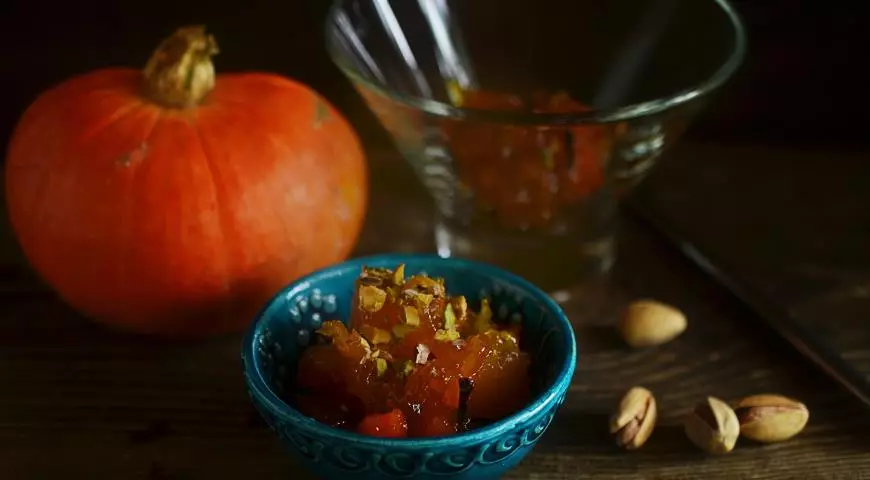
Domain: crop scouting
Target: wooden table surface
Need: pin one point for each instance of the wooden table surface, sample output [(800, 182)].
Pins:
[(78, 401)]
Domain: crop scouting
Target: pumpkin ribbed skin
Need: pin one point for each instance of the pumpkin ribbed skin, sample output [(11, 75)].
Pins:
[(182, 221)]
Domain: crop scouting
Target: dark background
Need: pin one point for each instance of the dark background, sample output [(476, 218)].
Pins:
[(803, 83)]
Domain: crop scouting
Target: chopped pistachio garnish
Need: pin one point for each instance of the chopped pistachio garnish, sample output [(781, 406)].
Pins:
[(412, 317), (382, 354), (399, 331), (407, 368), (365, 344), (372, 281), (393, 291), (446, 335), (503, 335), (378, 272), (379, 336), (375, 276), (371, 299), (375, 335), (332, 329), (399, 275), (460, 307), (449, 318), (381, 365), (422, 354), (422, 300), (483, 322), (426, 285), (367, 348)]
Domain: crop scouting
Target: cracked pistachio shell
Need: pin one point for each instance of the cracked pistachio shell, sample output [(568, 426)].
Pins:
[(634, 419), (712, 426)]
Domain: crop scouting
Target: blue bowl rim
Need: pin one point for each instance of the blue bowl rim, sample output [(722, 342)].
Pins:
[(496, 429)]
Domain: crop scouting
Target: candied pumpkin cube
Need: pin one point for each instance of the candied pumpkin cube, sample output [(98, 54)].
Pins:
[(321, 369), (386, 425), (416, 353), (501, 387)]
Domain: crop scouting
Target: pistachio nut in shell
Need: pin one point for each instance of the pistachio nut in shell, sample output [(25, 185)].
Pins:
[(770, 418), (712, 426), (634, 419), (646, 323)]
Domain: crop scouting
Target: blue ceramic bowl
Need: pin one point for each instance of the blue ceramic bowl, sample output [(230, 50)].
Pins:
[(284, 327)]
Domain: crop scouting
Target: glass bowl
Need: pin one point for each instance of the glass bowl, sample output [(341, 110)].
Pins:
[(527, 121)]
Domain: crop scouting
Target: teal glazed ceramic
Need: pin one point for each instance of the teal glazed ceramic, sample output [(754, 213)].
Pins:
[(284, 328)]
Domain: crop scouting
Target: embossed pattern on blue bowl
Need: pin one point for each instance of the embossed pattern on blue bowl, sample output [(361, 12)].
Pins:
[(284, 328)]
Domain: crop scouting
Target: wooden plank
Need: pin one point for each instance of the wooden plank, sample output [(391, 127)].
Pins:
[(80, 401)]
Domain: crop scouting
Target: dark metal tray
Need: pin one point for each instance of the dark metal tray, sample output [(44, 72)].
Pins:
[(786, 232)]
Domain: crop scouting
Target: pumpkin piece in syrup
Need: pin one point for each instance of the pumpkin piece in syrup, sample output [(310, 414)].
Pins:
[(415, 350), (386, 425)]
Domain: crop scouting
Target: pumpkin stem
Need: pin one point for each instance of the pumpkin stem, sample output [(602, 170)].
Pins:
[(180, 73)]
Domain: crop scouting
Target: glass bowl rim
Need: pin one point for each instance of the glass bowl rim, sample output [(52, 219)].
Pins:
[(285, 412), (595, 116)]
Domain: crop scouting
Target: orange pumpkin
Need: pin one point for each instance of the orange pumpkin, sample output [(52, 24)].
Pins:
[(177, 202)]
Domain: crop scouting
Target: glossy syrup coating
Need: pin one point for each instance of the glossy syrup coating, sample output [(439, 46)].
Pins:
[(415, 362)]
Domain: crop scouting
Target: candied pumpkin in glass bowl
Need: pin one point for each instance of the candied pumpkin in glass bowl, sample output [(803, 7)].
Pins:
[(398, 366)]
